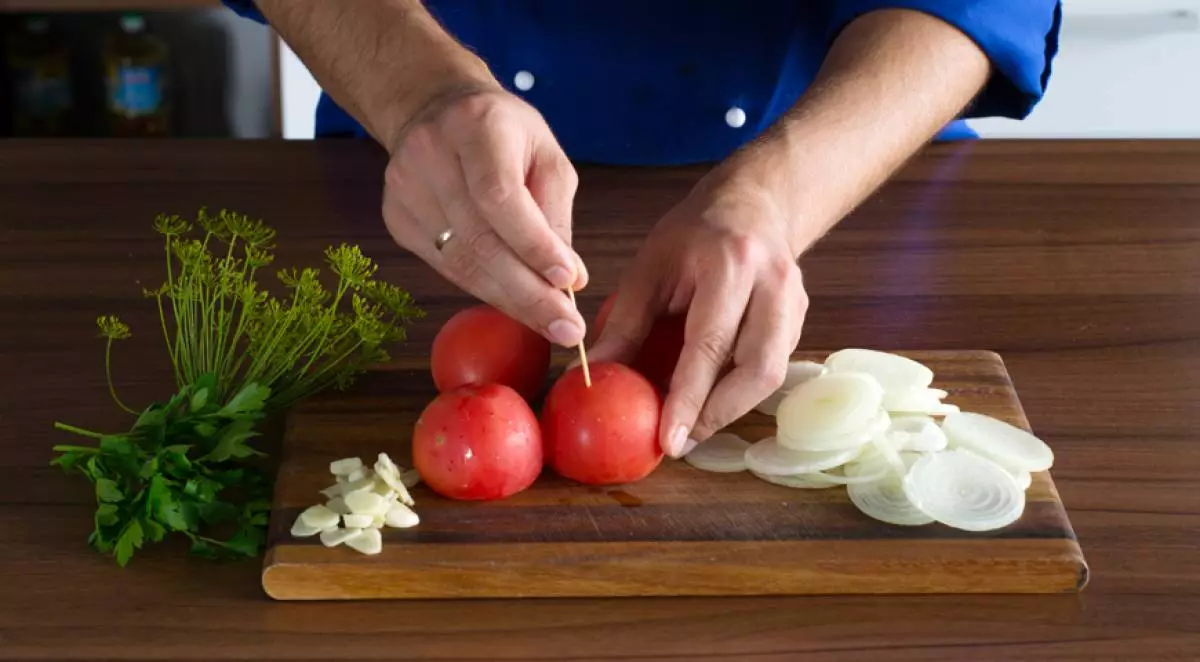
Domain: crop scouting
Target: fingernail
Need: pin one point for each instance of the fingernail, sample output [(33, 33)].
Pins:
[(676, 442), (565, 333), (559, 277), (688, 446)]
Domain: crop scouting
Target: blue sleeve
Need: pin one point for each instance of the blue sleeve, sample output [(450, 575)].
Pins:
[(1020, 37), (245, 8)]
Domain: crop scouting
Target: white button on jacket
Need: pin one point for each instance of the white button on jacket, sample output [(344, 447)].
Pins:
[(523, 81), (735, 117)]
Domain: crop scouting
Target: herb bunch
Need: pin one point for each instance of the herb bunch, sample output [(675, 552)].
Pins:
[(238, 353)]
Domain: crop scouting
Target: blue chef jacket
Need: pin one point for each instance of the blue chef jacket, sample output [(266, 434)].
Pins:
[(653, 82)]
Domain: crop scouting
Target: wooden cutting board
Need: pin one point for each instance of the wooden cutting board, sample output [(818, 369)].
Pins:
[(678, 532)]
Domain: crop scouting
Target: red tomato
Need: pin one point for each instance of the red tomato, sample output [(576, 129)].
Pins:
[(477, 443), (660, 350), (605, 434), (481, 345)]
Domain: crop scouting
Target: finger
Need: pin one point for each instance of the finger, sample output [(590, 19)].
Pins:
[(769, 334), (633, 313), (553, 182), (478, 260), (712, 326), (493, 163)]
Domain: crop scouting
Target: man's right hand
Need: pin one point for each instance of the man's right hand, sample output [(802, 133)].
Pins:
[(467, 156), (484, 165)]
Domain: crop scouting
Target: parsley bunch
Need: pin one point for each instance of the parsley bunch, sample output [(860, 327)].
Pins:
[(239, 353)]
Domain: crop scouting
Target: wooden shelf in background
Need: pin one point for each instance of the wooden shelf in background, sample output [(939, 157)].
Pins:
[(102, 5)]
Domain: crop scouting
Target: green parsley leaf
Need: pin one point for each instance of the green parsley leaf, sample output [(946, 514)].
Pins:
[(232, 442), (131, 539), (248, 400), (107, 490)]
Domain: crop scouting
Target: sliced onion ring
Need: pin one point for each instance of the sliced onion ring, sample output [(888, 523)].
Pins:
[(831, 405), (875, 426), (721, 453), (771, 458), (994, 439), (885, 501), (798, 372), (965, 491), (804, 482), (894, 372)]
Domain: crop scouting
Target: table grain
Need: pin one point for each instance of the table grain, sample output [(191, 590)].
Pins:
[(1078, 261)]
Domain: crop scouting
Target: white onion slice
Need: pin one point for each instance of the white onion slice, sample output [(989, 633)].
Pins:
[(915, 401), (804, 481), (721, 453), (894, 372), (994, 439), (345, 466), (965, 491), (854, 472), (885, 501), (1024, 478), (368, 541), (831, 405), (769, 457), (873, 427), (798, 372), (916, 433)]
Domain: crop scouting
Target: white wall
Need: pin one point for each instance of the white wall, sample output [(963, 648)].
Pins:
[(1125, 69)]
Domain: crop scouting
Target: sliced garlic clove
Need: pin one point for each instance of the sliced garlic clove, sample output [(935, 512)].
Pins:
[(357, 521), (338, 505), (335, 537), (319, 517), (302, 529), (365, 502), (345, 466), (400, 516), (368, 541)]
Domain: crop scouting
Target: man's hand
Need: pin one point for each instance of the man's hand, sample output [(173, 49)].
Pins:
[(724, 256), (466, 156), (485, 166)]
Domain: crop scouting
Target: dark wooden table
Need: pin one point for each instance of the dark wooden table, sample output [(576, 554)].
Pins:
[(1078, 262)]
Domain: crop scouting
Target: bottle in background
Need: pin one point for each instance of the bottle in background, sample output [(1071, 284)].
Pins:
[(40, 71), (136, 62)]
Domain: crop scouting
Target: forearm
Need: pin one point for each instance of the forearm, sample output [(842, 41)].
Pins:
[(382, 61), (892, 79)]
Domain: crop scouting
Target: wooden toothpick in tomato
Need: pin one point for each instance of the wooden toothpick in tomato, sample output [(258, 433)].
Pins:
[(606, 434)]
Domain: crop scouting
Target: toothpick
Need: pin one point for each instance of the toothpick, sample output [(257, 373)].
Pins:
[(583, 363)]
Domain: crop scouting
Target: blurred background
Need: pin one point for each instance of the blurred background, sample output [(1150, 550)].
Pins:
[(191, 68)]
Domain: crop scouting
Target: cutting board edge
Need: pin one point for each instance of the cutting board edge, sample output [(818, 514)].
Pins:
[(1061, 566)]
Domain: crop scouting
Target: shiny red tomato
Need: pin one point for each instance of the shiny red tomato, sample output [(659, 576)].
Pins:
[(606, 434), (478, 443), (660, 350), (481, 345)]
